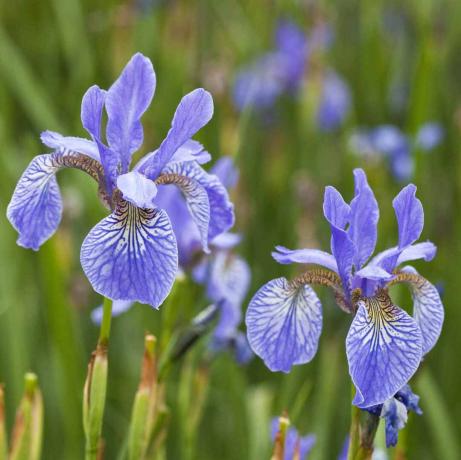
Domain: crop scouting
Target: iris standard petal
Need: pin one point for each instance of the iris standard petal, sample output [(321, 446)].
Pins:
[(131, 255), (221, 209), (137, 189), (193, 113), (384, 349), (410, 215), (126, 101), (284, 324), (363, 220), (304, 256), (344, 251), (335, 209), (428, 310), (91, 111), (57, 141), (36, 207)]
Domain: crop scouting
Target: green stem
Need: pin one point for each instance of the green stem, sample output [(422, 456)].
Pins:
[(104, 332)]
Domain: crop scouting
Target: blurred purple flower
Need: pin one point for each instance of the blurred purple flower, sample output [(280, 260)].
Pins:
[(293, 441), (284, 318), (131, 255), (335, 102), (390, 142)]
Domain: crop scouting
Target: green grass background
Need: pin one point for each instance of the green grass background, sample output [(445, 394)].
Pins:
[(52, 51)]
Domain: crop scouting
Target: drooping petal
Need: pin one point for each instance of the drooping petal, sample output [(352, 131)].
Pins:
[(410, 215), (226, 171), (335, 209), (118, 307), (304, 256), (395, 415), (126, 101), (36, 207), (363, 220), (221, 209), (428, 310), (91, 111), (131, 255), (75, 144), (193, 113), (384, 349), (284, 324), (137, 189)]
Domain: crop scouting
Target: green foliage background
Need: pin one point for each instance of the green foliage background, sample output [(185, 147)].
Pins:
[(52, 51)]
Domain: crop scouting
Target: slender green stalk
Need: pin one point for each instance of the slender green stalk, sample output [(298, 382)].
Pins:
[(3, 440), (104, 332)]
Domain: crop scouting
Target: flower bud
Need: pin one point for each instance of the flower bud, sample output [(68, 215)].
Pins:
[(279, 444)]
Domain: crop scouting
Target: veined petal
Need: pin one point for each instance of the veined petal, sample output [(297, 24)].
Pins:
[(118, 307), (191, 150), (57, 141), (131, 255), (363, 220), (343, 250), (371, 272), (410, 215), (36, 207), (193, 113), (137, 189), (304, 256), (126, 101), (226, 171), (91, 111), (384, 349), (428, 310), (426, 251), (335, 209), (284, 324)]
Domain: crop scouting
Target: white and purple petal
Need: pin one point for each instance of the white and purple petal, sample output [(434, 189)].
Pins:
[(363, 219), (126, 101), (305, 256), (137, 189), (131, 255), (284, 323), (384, 349), (59, 142), (425, 251), (193, 113), (35, 208)]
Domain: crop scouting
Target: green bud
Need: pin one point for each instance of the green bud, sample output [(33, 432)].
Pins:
[(143, 413), (94, 398), (26, 441)]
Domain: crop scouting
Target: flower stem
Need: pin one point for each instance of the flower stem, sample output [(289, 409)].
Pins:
[(104, 332)]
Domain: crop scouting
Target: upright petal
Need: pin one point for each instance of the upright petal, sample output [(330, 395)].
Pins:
[(57, 141), (304, 256), (335, 209), (193, 113), (137, 189), (36, 207), (410, 215), (91, 112), (344, 251), (384, 349), (131, 255), (364, 219), (126, 101), (284, 324)]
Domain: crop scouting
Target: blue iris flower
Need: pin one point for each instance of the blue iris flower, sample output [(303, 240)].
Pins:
[(132, 254), (384, 344), (296, 446), (390, 142)]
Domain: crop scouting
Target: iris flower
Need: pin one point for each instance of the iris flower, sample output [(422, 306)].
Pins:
[(296, 446), (384, 344), (131, 255)]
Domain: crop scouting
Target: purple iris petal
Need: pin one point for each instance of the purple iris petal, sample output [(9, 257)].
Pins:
[(131, 255), (57, 141), (429, 136), (373, 272), (242, 349), (425, 250), (137, 189), (335, 209), (410, 215), (395, 414), (384, 349), (334, 103), (344, 251), (193, 113), (226, 240), (126, 101), (427, 310), (284, 324), (402, 164), (226, 171), (363, 219), (35, 209), (118, 307), (304, 256), (388, 139), (295, 446), (91, 111), (191, 151)]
